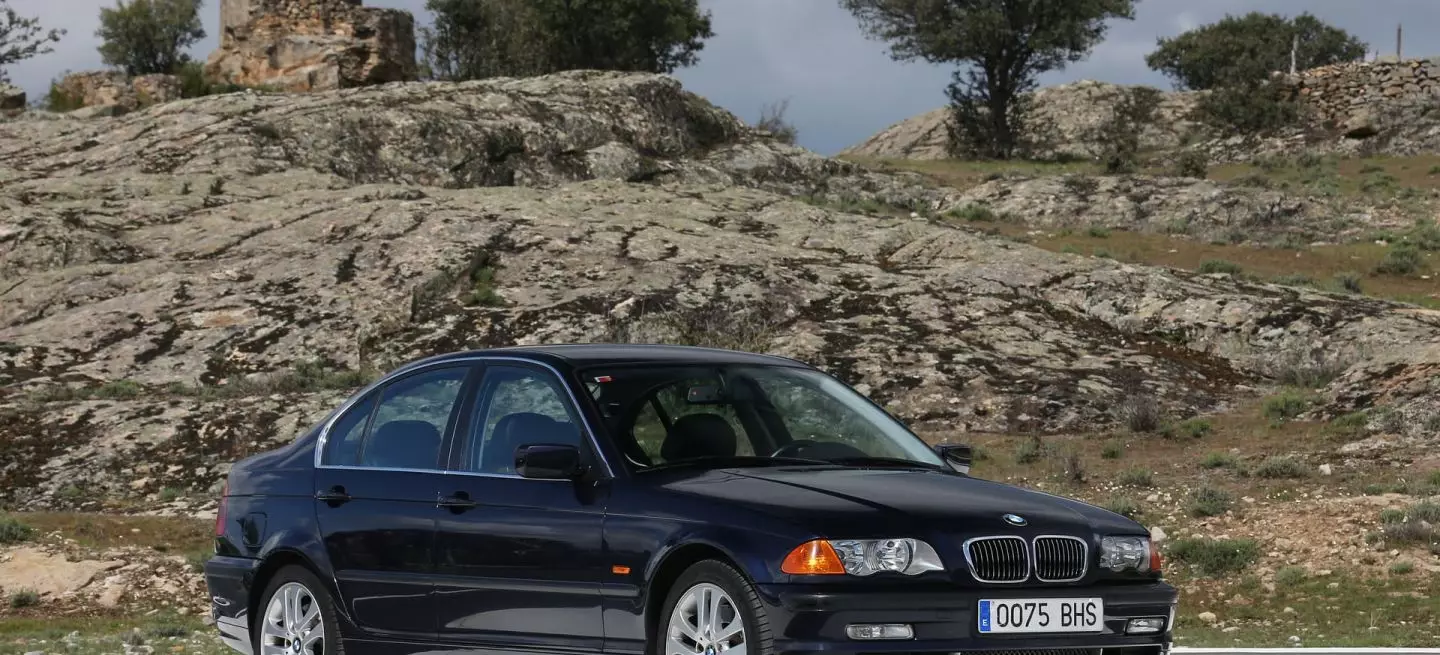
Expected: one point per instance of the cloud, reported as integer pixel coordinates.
(841, 86)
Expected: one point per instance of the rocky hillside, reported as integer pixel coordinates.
(203, 279)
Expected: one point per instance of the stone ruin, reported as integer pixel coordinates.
(312, 45)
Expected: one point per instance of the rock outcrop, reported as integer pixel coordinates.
(312, 45)
(114, 92)
(162, 268)
(11, 97)
(1068, 118)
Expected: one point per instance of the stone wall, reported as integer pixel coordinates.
(312, 45)
(1348, 93)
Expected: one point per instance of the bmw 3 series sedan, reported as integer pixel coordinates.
(657, 500)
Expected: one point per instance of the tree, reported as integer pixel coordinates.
(474, 39)
(22, 38)
(1003, 46)
(144, 37)
(1247, 49)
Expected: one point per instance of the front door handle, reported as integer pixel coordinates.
(334, 497)
(458, 502)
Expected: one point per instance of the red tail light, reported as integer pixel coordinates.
(220, 512)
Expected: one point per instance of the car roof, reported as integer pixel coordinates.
(600, 354)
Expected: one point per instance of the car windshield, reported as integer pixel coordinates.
(747, 415)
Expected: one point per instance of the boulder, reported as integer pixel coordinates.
(11, 97)
(113, 93)
(312, 45)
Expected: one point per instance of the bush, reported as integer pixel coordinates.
(1141, 412)
(1216, 557)
(1425, 235)
(1280, 466)
(1119, 135)
(1291, 576)
(58, 100)
(1112, 449)
(13, 531)
(1402, 568)
(1074, 466)
(1349, 282)
(24, 598)
(1210, 501)
(1212, 266)
(1098, 232)
(1137, 477)
(1192, 163)
(1285, 406)
(1126, 507)
(1400, 259)
(1351, 424)
(1217, 460)
(973, 213)
(146, 37)
(772, 120)
(1254, 108)
(1294, 280)
(1029, 451)
(1305, 368)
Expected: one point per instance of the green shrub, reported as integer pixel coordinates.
(1349, 282)
(1402, 568)
(58, 100)
(1215, 557)
(1098, 232)
(1351, 424)
(1401, 259)
(1371, 168)
(1196, 428)
(1434, 478)
(1102, 253)
(24, 598)
(13, 531)
(1285, 406)
(1029, 451)
(1373, 489)
(973, 214)
(168, 494)
(117, 389)
(1291, 576)
(1192, 163)
(1280, 466)
(1071, 249)
(1210, 501)
(1295, 280)
(1425, 235)
(1218, 460)
(1112, 449)
(1212, 266)
(1126, 507)
(1137, 477)
(1392, 515)
(1418, 524)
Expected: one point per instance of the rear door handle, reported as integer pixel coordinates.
(334, 496)
(458, 502)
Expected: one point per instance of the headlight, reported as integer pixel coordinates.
(1128, 553)
(862, 557)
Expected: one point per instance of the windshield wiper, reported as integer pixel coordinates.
(885, 461)
(741, 460)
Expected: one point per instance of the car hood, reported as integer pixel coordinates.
(836, 502)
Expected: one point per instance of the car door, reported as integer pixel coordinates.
(521, 566)
(377, 482)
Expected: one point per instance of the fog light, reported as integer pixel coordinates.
(879, 631)
(1145, 626)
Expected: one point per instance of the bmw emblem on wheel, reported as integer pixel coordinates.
(1014, 519)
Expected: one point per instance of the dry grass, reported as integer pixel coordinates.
(168, 534)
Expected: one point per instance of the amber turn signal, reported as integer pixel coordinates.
(813, 558)
(1154, 558)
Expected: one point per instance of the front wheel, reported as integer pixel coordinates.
(713, 610)
(297, 617)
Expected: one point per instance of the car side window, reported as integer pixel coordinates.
(342, 444)
(517, 406)
(410, 420)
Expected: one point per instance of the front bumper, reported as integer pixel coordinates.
(812, 619)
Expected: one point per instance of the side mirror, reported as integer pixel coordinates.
(548, 462)
(958, 456)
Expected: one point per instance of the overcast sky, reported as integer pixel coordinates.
(841, 86)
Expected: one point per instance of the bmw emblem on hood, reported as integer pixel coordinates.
(1014, 519)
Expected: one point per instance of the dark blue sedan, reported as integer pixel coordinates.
(658, 500)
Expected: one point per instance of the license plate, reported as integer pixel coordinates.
(1042, 615)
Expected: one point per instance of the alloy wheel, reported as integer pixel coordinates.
(706, 621)
(292, 623)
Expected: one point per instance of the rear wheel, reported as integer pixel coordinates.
(297, 617)
(711, 610)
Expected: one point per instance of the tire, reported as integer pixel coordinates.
(744, 603)
(268, 630)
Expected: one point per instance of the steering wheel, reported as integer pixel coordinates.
(792, 449)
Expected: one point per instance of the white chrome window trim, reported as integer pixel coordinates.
(424, 366)
(1035, 556)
